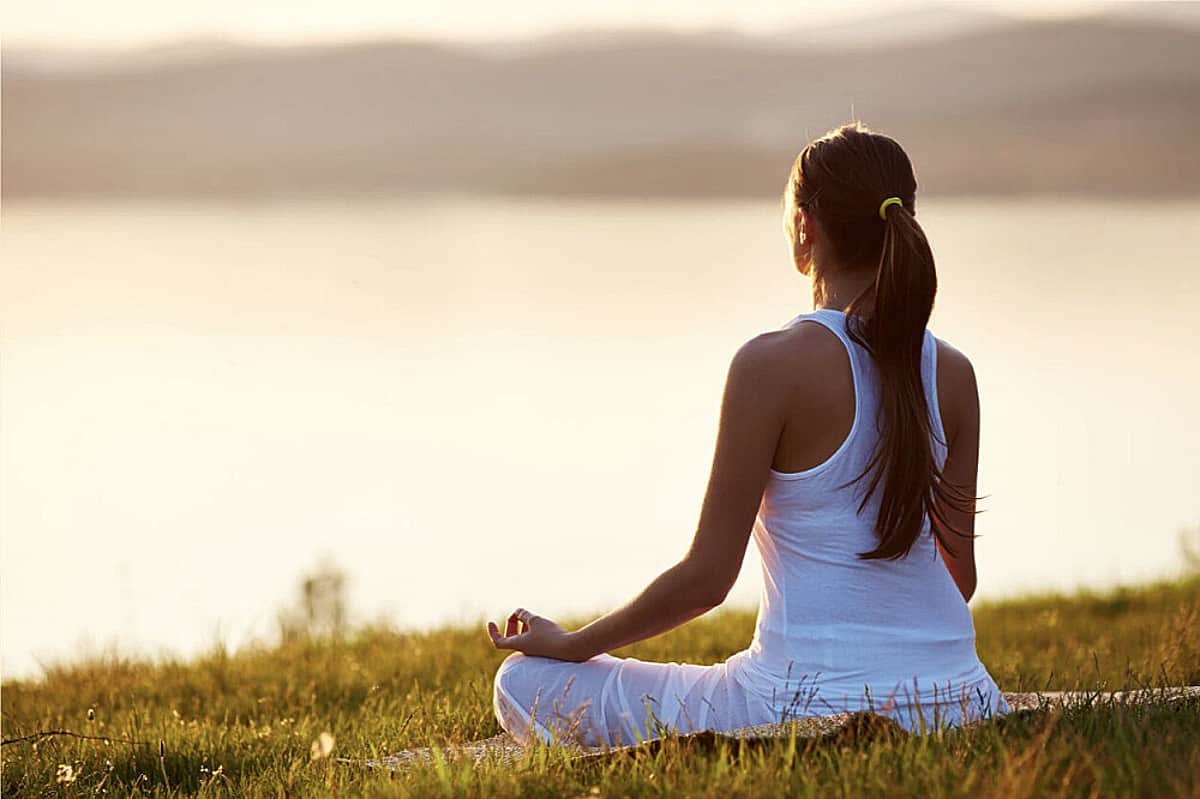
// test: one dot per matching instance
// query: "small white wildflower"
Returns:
(322, 746)
(65, 774)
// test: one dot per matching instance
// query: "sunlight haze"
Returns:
(57, 24)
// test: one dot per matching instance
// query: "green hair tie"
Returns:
(884, 205)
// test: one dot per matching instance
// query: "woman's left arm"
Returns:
(752, 416)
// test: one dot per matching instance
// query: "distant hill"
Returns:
(1105, 106)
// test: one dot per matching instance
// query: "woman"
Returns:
(848, 444)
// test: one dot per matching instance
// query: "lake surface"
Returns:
(476, 404)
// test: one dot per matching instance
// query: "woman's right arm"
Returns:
(958, 397)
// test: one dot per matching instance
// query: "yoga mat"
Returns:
(506, 749)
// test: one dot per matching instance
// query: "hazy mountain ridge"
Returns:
(1081, 106)
(931, 21)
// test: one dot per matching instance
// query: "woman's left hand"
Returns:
(536, 635)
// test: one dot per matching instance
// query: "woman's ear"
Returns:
(803, 243)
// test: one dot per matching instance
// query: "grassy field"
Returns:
(243, 724)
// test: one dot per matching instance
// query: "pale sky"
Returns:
(86, 24)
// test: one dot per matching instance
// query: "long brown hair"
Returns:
(842, 179)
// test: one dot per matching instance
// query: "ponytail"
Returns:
(894, 332)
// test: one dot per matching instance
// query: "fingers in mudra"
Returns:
(518, 622)
(495, 634)
(526, 618)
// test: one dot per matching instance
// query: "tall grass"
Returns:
(244, 724)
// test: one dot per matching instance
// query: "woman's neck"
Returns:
(837, 289)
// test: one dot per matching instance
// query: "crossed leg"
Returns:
(613, 701)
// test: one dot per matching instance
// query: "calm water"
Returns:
(473, 405)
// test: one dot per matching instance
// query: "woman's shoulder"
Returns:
(954, 367)
(799, 346)
(797, 362)
(957, 389)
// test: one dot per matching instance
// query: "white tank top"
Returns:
(837, 633)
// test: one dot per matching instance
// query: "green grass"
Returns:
(251, 718)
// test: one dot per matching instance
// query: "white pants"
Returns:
(615, 701)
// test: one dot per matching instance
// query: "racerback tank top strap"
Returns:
(867, 387)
